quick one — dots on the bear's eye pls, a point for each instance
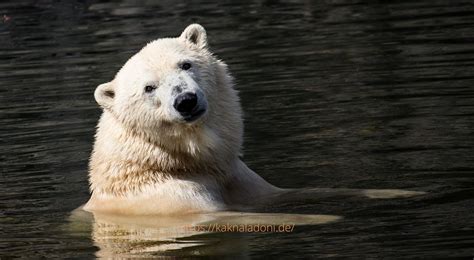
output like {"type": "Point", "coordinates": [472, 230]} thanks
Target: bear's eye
{"type": "Point", "coordinates": [186, 66]}
{"type": "Point", "coordinates": [149, 88]}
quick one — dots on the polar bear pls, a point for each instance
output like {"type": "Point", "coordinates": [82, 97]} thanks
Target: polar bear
{"type": "Point", "coordinates": [170, 136]}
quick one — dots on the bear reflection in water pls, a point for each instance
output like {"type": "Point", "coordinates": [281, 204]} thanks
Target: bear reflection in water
{"type": "Point", "coordinates": [118, 235]}
{"type": "Point", "coordinates": [129, 236]}
{"type": "Point", "coordinates": [168, 144]}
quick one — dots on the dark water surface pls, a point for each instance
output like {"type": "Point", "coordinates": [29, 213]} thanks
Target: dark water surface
{"type": "Point", "coordinates": [336, 94]}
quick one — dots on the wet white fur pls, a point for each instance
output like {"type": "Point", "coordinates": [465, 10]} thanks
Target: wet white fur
{"type": "Point", "coordinates": [147, 159]}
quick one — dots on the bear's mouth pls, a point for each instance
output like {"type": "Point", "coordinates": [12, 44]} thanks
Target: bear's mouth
{"type": "Point", "coordinates": [194, 115]}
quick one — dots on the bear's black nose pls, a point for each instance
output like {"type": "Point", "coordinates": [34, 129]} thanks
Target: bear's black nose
{"type": "Point", "coordinates": [185, 103]}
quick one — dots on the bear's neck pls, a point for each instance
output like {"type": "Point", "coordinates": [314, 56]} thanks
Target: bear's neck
{"type": "Point", "coordinates": [120, 156]}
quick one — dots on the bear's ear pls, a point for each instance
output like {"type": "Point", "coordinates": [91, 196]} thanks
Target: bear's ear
{"type": "Point", "coordinates": [104, 95]}
{"type": "Point", "coordinates": [195, 34]}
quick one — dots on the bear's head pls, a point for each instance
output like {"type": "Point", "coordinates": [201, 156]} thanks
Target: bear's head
{"type": "Point", "coordinates": [175, 93]}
